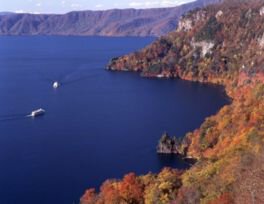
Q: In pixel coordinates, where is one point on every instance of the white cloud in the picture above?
(75, 6)
(20, 11)
(23, 11)
(63, 6)
(99, 6)
(160, 3)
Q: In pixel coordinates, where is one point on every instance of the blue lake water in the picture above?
(98, 124)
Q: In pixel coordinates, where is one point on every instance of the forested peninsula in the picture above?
(220, 44)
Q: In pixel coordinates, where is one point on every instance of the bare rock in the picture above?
(206, 47)
(168, 145)
(219, 14)
(261, 11)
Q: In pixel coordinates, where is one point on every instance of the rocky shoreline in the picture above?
(221, 44)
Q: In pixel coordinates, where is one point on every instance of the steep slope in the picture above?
(221, 44)
(126, 22)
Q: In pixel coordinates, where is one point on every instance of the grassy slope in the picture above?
(219, 44)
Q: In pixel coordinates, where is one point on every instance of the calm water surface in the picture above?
(98, 124)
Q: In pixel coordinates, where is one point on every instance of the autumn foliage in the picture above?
(221, 44)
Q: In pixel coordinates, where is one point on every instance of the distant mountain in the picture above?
(116, 22)
(5, 13)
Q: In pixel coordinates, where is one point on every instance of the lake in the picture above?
(98, 124)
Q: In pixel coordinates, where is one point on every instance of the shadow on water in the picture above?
(190, 161)
(175, 161)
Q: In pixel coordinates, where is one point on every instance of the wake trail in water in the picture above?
(80, 78)
(13, 115)
(10, 117)
(81, 73)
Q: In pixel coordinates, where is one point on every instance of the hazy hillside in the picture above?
(116, 22)
(5, 13)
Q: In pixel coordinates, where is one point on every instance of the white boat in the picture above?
(37, 112)
(56, 85)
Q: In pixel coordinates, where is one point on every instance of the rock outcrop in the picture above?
(261, 41)
(261, 11)
(206, 47)
(219, 14)
(168, 145)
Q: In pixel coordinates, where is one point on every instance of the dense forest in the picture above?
(220, 44)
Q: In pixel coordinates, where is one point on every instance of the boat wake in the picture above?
(10, 117)
(83, 72)
(22, 116)
(72, 80)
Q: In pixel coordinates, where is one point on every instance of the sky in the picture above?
(63, 6)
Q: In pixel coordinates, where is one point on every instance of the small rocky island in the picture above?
(168, 145)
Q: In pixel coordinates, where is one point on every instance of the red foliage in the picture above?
(130, 189)
(225, 198)
(89, 196)
(187, 195)
(109, 193)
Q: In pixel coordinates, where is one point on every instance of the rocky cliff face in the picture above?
(220, 44)
(127, 22)
(205, 47)
(168, 145)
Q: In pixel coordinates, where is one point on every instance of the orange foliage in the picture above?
(89, 196)
(130, 189)
(225, 198)
(227, 143)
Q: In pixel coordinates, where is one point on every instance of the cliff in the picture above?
(116, 22)
(220, 44)
(168, 145)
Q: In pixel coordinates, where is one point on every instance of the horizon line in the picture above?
(92, 10)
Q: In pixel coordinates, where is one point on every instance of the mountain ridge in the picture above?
(114, 22)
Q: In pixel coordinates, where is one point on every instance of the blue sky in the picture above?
(62, 6)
